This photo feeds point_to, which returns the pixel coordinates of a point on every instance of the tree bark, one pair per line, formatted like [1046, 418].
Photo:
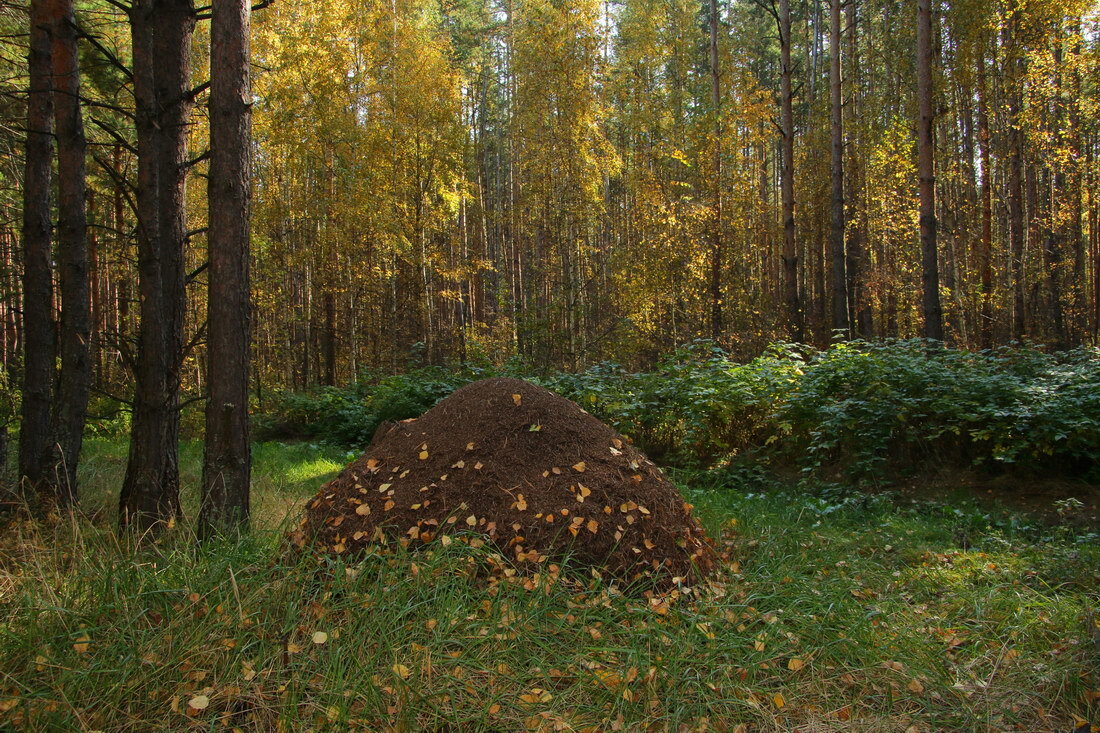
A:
[161, 31]
[1054, 188]
[839, 268]
[986, 251]
[716, 233]
[227, 458]
[858, 265]
[790, 242]
[36, 428]
[1016, 223]
[926, 169]
[76, 374]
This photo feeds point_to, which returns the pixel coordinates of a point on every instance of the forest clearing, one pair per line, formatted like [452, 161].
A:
[832, 610]
[550, 365]
[940, 606]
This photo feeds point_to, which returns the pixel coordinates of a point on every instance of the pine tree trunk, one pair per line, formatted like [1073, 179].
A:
[161, 32]
[227, 457]
[858, 265]
[930, 277]
[1016, 224]
[716, 234]
[840, 322]
[76, 375]
[36, 430]
[794, 314]
[1055, 184]
[986, 249]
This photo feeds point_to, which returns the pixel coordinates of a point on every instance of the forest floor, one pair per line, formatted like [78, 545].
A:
[837, 611]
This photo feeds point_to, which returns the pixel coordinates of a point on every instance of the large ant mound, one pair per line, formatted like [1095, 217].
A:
[531, 471]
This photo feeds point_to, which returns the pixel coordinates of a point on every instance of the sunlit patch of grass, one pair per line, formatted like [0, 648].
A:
[283, 475]
[833, 612]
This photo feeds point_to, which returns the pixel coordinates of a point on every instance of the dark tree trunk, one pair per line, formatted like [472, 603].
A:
[858, 265]
[926, 169]
[986, 251]
[36, 446]
[716, 234]
[161, 31]
[76, 374]
[1077, 241]
[328, 345]
[790, 242]
[837, 258]
[227, 458]
[1055, 185]
[1014, 82]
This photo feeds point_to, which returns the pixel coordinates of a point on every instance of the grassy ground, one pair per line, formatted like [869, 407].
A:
[835, 611]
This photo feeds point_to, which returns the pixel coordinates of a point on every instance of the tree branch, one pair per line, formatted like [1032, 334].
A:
[107, 54]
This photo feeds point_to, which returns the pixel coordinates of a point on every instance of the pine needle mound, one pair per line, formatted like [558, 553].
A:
[529, 471]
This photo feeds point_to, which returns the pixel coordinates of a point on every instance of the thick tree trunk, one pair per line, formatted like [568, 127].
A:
[76, 372]
[837, 258]
[161, 32]
[227, 458]
[794, 313]
[36, 446]
[926, 170]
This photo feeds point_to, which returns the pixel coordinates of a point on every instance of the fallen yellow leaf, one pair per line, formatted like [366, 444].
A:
[777, 698]
[402, 671]
[795, 664]
[536, 695]
[199, 702]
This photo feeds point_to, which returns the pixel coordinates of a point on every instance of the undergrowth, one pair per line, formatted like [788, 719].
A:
[834, 610]
[865, 411]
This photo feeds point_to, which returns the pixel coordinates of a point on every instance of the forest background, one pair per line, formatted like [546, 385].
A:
[575, 181]
[550, 185]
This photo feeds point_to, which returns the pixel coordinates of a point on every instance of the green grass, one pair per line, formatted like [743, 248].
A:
[835, 611]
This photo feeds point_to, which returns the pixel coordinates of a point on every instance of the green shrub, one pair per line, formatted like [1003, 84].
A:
[866, 409]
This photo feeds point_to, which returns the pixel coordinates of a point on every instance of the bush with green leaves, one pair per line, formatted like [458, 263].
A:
[866, 409]
[901, 403]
